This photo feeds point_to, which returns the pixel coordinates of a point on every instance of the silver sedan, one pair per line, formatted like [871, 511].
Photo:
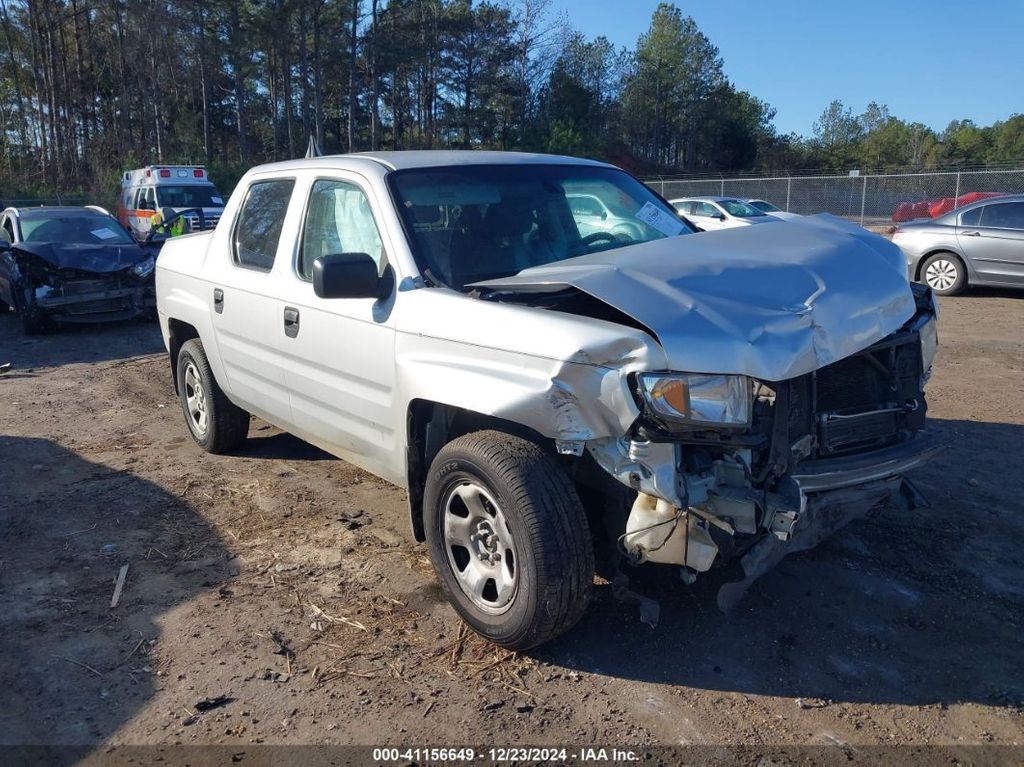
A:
[978, 244]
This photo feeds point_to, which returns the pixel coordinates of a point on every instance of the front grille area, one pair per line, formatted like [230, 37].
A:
[209, 222]
[888, 372]
[863, 402]
[78, 287]
[843, 433]
[118, 304]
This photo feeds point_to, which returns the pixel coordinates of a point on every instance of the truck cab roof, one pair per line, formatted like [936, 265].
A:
[427, 158]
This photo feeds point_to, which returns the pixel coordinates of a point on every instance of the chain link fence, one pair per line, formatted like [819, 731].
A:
[871, 200]
[34, 202]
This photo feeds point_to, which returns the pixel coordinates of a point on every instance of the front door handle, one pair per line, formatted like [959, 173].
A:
[218, 300]
[291, 321]
[971, 234]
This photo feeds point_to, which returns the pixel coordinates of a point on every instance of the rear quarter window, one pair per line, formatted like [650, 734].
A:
[257, 231]
[970, 217]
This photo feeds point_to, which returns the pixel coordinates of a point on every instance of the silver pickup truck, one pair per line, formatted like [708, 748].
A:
[551, 397]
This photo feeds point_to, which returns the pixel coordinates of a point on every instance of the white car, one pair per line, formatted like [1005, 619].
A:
[593, 214]
[440, 320]
[713, 213]
[771, 210]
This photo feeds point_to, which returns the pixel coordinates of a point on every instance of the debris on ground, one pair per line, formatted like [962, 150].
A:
[813, 702]
[207, 704]
[118, 586]
[283, 647]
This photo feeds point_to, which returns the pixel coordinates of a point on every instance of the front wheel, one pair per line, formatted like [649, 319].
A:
[508, 538]
[33, 319]
[945, 274]
[216, 423]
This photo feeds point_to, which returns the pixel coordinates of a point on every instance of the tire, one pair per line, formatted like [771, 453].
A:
[944, 273]
[33, 321]
[215, 423]
[522, 504]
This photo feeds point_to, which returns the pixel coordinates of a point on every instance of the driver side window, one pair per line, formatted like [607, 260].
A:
[705, 209]
[338, 220]
[7, 231]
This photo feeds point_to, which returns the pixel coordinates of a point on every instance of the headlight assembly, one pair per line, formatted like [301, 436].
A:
[697, 399]
[144, 268]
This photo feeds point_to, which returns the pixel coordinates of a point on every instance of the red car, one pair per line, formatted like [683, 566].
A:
[909, 211]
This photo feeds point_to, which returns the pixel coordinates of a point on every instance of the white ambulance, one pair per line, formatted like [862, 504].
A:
[165, 188]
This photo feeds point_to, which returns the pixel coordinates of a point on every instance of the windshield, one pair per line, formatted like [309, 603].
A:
[74, 228]
[189, 196]
[740, 209]
[473, 223]
[767, 207]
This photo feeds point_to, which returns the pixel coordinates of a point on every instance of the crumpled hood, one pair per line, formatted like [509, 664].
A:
[98, 258]
[772, 302]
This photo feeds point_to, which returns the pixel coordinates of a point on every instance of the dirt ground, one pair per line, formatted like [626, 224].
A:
[288, 581]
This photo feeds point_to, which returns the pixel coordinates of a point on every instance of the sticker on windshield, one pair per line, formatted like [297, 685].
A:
[103, 234]
[217, 200]
[664, 222]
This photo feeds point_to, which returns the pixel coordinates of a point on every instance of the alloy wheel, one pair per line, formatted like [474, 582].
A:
[195, 399]
[941, 274]
[479, 547]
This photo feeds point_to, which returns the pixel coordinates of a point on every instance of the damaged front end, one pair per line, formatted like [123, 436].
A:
[50, 287]
[791, 399]
[804, 457]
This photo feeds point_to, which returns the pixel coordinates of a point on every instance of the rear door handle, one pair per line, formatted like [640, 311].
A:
[971, 234]
[291, 321]
[218, 300]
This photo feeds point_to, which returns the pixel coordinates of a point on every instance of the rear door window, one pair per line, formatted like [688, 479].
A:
[260, 221]
[1006, 215]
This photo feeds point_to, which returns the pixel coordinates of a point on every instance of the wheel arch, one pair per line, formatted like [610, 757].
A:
[431, 425]
[178, 332]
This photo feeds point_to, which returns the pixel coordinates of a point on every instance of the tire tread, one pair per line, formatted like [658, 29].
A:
[229, 424]
[557, 528]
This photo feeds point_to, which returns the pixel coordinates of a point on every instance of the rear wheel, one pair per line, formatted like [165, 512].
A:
[944, 273]
[508, 538]
[215, 422]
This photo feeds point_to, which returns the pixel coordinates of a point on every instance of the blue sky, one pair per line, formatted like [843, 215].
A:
[931, 62]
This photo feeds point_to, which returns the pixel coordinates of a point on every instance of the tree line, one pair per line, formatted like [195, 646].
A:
[89, 88]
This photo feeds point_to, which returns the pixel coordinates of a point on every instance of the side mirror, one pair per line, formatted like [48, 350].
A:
[346, 275]
[720, 217]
